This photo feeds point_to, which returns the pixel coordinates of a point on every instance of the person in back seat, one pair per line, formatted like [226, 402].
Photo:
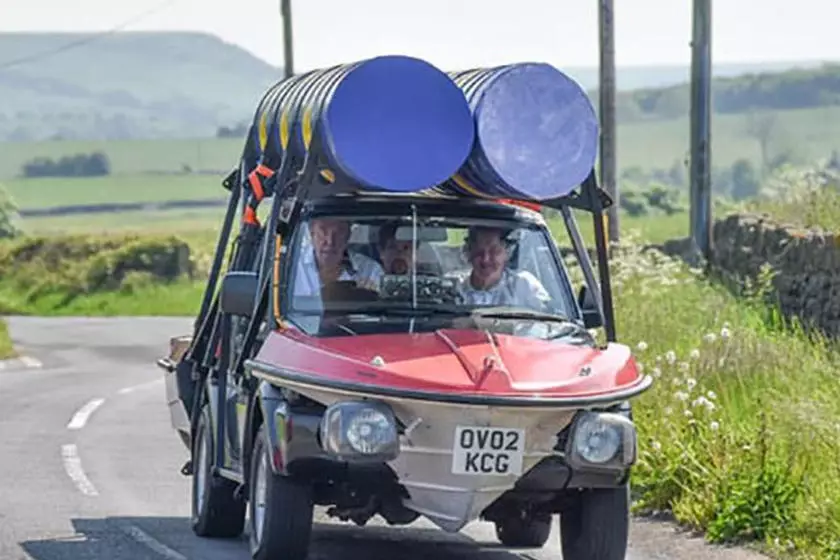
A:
[396, 254]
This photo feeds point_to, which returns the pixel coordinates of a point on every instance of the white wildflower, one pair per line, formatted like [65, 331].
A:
[688, 414]
[657, 373]
[694, 354]
[709, 338]
[642, 346]
[712, 395]
[691, 383]
[681, 395]
[670, 356]
[684, 367]
[714, 426]
[656, 445]
[725, 333]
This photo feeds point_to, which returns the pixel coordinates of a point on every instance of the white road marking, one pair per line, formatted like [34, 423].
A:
[73, 467]
[127, 390]
[30, 362]
[150, 542]
[78, 421]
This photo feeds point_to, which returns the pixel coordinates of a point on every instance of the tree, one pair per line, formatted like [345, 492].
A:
[762, 127]
[744, 180]
[8, 215]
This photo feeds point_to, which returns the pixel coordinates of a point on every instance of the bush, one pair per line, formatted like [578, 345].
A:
[95, 164]
[71, 266]
[8, 216]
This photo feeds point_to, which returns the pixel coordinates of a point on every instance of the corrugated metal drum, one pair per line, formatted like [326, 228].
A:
[536, 133]
[392, 123]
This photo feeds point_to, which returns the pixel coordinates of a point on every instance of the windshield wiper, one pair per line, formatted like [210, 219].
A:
[519, 313]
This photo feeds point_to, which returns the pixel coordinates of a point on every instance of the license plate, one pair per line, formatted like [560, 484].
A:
[488, 451]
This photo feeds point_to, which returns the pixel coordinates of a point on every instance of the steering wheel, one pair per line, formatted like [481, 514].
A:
[346, 290]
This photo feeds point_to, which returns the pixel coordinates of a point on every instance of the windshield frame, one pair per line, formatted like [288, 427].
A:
[385, 208]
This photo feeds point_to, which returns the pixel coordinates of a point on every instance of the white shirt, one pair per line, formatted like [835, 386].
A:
[519, 289]
[366, 272]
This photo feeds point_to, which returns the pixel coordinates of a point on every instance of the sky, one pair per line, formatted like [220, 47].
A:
[462, 33]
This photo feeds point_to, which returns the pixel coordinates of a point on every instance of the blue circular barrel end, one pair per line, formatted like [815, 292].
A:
[538, 131]
[398, 124]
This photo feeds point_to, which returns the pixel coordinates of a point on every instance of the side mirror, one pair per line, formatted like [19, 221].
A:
[591, 315]
[238, 293]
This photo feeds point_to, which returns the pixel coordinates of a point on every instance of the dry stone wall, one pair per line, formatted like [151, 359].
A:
[805, 264]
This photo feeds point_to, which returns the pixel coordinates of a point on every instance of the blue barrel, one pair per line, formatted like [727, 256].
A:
[536, 133]
[390, 123]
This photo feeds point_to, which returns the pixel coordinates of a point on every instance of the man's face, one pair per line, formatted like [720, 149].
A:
[329, 239]
[488, 257]
[396, 256]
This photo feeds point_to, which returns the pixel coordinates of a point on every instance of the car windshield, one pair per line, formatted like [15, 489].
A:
[353, 274]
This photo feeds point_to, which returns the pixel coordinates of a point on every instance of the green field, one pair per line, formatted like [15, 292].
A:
[50, 192]
[809, 133]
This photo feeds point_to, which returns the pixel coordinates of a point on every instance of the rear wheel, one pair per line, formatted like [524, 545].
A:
[596, 524]
[216, 511]
[525, 531]
[280, 509]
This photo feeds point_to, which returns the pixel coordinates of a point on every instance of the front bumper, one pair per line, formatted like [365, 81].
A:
[425, 466]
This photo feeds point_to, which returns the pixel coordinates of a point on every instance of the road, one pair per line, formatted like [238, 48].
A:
[89, 464]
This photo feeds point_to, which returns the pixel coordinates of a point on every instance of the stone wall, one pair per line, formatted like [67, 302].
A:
[805, 264]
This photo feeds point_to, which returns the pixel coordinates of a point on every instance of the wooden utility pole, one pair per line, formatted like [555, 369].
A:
[288, 53]
[701, 94]
[606, 91]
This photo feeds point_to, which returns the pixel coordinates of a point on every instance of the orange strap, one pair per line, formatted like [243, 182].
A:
[250, 216]
[256, 185]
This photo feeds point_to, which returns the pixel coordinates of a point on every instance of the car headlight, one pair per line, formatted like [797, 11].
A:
[602, 441]
[360, 430]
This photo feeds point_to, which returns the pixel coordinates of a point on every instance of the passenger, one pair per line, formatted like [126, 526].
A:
[491, 282]
[326, 259]
[395, 254]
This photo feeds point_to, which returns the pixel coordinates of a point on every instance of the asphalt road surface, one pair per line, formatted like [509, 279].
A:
[90, 467]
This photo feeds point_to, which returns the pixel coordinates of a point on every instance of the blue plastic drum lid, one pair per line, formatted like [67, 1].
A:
[395, 123]
[537, 132]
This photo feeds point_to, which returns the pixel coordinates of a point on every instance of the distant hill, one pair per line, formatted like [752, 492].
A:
[137, 84]
[799, 88]
[185, 84]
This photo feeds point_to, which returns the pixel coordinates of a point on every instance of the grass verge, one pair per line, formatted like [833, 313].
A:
[739, 435]
[6, 349]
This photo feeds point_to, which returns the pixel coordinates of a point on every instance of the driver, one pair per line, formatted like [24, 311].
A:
[491, 282]
[329, 260]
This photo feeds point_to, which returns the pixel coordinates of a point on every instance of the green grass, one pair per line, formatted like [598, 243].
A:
[131, 156]
[6, 348]
[738, 436]
[50, 192]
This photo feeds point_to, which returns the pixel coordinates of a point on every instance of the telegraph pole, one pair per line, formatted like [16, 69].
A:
[288, 53]
[701, 90]
[606, 91]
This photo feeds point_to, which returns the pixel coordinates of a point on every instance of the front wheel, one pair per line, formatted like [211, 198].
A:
[216, 509]
[524, 531]
[280, 509]
[596, 525]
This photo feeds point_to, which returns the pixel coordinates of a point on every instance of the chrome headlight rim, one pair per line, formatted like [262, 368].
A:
[342, 416]
[624, 429]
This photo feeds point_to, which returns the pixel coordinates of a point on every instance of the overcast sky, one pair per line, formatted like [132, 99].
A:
[462, 33]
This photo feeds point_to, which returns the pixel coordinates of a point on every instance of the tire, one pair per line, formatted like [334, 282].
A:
[283, 527]
[596, 525]
[524, 532]
[216, 511]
